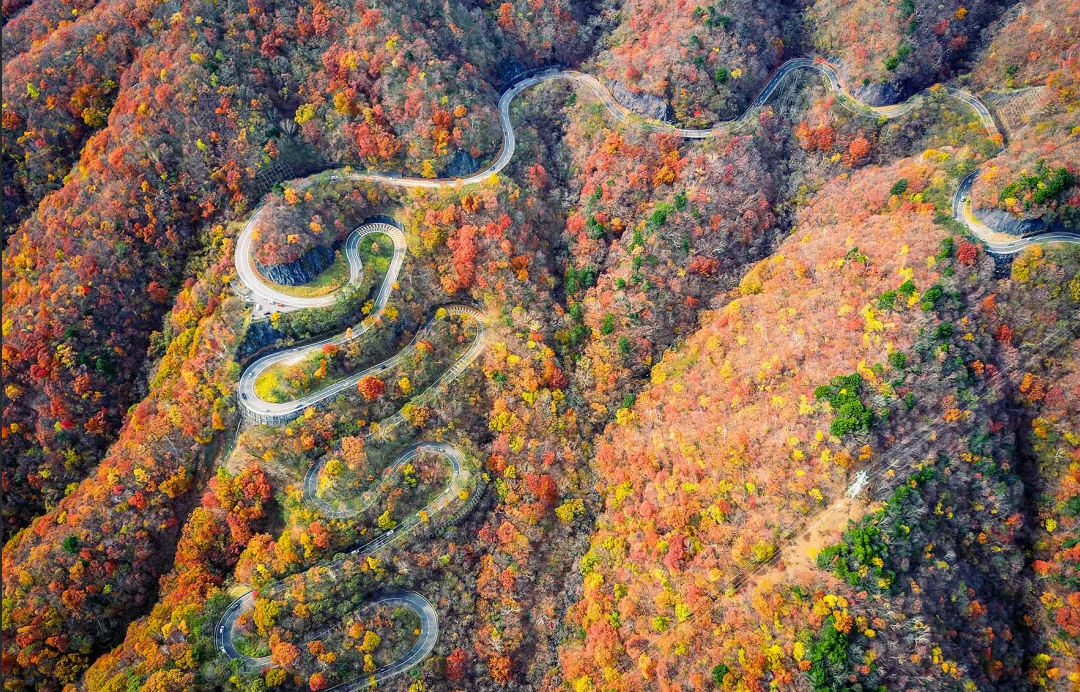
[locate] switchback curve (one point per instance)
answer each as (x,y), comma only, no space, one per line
(257,409)
(270,412)
(621,113)
(421,607)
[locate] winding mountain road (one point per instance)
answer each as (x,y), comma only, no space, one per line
(276,413)
(263,411)
(259,410)
(421,648)
(421,607)
(623,114)
(998,243)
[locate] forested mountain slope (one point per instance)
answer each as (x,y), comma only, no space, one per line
(628,407)
(888,50)
(211,96)
(695,63)
(1034,180)
(870,341)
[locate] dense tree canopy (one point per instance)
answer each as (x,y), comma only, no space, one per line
(694,349)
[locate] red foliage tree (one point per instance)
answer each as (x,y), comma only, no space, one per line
(463,245)
(858,150)
(967,253)
(455,664)
(543,487)
(371,387)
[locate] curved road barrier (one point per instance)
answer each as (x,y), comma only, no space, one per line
(268,412)
(998,243)
(421,648)
(421,607)
(262,411)
(259,410)
(621,113)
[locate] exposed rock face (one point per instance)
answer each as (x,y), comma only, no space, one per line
(461,165)
(1001,220)
(879,94)
(260,334)
(509,68)
(644,104)
(314,262)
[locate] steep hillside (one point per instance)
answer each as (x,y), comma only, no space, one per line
(404,88)
(661,225)
(88,276)
(77,574)
(694,64)
(841,354)
(491,225)
(59,93)
(889,50)
(1029,43)
(1035,183)
(642,409)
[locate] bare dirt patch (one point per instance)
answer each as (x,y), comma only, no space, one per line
(800,554)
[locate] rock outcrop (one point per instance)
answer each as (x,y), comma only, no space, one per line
(509,68)
(304,270)
(1003,221)
(260,334)
(463,164)
(644,104)
(879,93)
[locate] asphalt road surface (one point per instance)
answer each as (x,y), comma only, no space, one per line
(268,300)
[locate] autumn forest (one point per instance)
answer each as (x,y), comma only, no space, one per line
(542,345)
